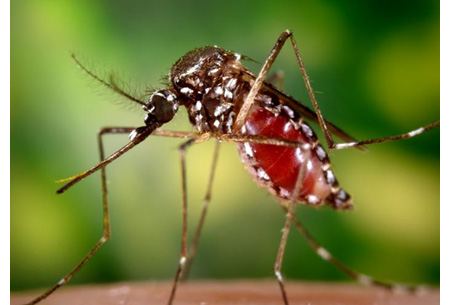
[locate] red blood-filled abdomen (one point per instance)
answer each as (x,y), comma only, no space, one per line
(277,167)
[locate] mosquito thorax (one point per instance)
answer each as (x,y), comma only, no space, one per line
(208,82)
(161,108)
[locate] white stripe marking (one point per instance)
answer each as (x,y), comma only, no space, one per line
(279,276)
(323,253)
(398,288)
(365,280)
(345,145)
(416,132)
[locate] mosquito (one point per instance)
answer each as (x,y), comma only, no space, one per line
(228,103)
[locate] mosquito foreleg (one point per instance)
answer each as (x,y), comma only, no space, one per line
(106,224)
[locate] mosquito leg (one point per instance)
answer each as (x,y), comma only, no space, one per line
(106,225)
(407,135)
(67,278)
(262,140)
(243,112)
(240,119)
(139,135)
(206,201)
(323,125)
(327,256)
(183,252)
(320,250)
(289,215)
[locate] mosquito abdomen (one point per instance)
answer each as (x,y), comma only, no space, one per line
(277,167)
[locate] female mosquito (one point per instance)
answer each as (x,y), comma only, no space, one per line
(225,101)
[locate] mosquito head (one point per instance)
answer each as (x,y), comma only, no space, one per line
(161,108)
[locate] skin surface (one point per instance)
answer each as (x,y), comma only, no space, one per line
(230,292)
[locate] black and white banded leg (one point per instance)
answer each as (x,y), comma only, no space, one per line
(323,124)
(360,277)
(106,224)
(240,119)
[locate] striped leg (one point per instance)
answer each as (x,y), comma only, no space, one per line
(407,135)
(321,251)
(326,127)
(323,124)
(207,198)
(139,134)
(183,252)
(106,225)
(327,256)
(259,81)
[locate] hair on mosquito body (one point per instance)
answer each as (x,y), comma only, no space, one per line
(120,86)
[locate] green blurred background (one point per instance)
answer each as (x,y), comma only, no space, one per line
(376,64)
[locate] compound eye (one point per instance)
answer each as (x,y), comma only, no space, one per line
(161,107)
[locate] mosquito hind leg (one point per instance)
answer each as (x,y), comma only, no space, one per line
(402,136)
(106,224)
(241,116)
(327,256)
(323,125)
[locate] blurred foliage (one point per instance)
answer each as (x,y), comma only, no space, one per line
(376,64)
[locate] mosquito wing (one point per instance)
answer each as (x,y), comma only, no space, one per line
(305,111)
